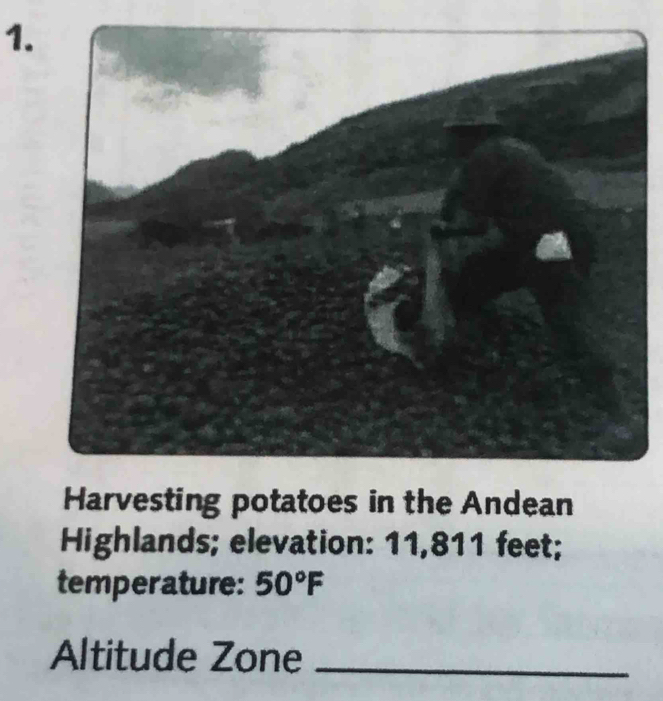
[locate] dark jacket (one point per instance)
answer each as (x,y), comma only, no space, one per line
(508,182)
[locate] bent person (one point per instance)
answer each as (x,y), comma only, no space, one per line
(537,237)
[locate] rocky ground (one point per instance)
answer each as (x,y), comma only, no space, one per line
(263,350)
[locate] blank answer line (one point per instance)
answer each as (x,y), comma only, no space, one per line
(470,672)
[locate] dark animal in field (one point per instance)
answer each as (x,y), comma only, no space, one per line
(166,233)
(274,230)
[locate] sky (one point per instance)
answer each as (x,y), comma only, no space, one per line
(164,97)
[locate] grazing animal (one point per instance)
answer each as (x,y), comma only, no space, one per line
(166,233)
(276,229)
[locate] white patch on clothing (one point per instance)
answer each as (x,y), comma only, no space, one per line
(553,246)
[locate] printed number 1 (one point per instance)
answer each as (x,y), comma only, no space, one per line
(15,31)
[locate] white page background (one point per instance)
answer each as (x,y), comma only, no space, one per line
(598,609)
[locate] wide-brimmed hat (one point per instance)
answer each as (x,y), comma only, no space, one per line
(474,110)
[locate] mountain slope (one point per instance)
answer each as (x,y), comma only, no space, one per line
(123,191)
(594,108)
(96,192)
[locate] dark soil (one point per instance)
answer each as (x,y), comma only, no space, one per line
(264,350)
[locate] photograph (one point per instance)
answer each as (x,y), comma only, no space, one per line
(363,244)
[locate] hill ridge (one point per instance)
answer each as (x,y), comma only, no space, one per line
(399,147)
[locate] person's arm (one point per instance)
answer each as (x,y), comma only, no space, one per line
(456,218)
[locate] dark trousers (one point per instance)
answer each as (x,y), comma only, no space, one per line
(561,291)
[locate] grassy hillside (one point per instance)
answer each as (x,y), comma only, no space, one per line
(124,191)
(593,108)
(96,192)
(197,191)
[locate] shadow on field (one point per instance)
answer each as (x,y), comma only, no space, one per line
(263,350)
